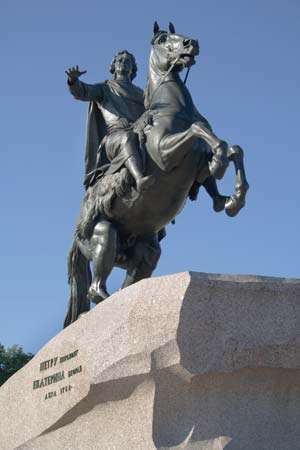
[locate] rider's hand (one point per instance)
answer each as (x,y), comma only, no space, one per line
(74,73)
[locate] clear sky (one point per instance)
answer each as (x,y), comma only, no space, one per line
(246,82)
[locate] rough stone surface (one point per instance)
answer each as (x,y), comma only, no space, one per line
(187,361)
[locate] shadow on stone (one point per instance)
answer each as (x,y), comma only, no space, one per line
(110,391)
(240,408)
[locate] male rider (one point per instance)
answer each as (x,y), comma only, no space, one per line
(115,105)
(119,103)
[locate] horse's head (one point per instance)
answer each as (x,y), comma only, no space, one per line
(172,51)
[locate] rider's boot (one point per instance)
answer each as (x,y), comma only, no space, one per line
(134,167)
(144,183)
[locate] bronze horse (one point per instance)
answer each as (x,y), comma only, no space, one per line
(119,226)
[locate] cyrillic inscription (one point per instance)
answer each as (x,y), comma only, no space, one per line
(48,364)
(67,357)
(74,371)
(58,376)
(37,384)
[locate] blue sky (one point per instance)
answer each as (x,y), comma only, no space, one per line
(246,82)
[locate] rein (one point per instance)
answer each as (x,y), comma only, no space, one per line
(163,80)
(165,76)
(186,75)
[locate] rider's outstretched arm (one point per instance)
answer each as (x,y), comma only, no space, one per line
(86,92)
(80,90)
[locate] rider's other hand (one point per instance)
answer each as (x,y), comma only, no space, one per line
(74,73)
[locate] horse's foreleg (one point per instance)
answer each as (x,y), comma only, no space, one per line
(219,201)
(144,260)
(103,244)
(219,161)
(174,147)
(238,199)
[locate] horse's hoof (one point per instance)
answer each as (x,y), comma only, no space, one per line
(219,203)
(233,151)
(98,295)
(233,205)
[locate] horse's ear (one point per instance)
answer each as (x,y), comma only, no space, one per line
(171,28)
(155,28)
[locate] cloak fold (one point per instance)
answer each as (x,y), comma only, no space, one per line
(95,132)
(128,103)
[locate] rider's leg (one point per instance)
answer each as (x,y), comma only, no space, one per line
(145,258)
(103,245)
(211,188)
(134,163)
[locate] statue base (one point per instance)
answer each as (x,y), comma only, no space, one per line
(191,360)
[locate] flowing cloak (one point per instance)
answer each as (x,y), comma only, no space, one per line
(125,102)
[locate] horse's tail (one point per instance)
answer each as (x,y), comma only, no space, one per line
(79,279)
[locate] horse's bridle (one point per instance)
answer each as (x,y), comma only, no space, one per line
(163,79)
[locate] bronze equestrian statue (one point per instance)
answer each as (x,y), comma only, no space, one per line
(172,146)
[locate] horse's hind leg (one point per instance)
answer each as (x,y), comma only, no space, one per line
(103,246)
(145,257)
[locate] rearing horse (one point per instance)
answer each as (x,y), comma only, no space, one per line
(119,226)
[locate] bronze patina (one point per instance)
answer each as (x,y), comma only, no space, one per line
(145,155)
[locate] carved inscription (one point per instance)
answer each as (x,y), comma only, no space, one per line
(60,375)
(49,380)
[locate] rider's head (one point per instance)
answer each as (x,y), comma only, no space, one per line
(124,63)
